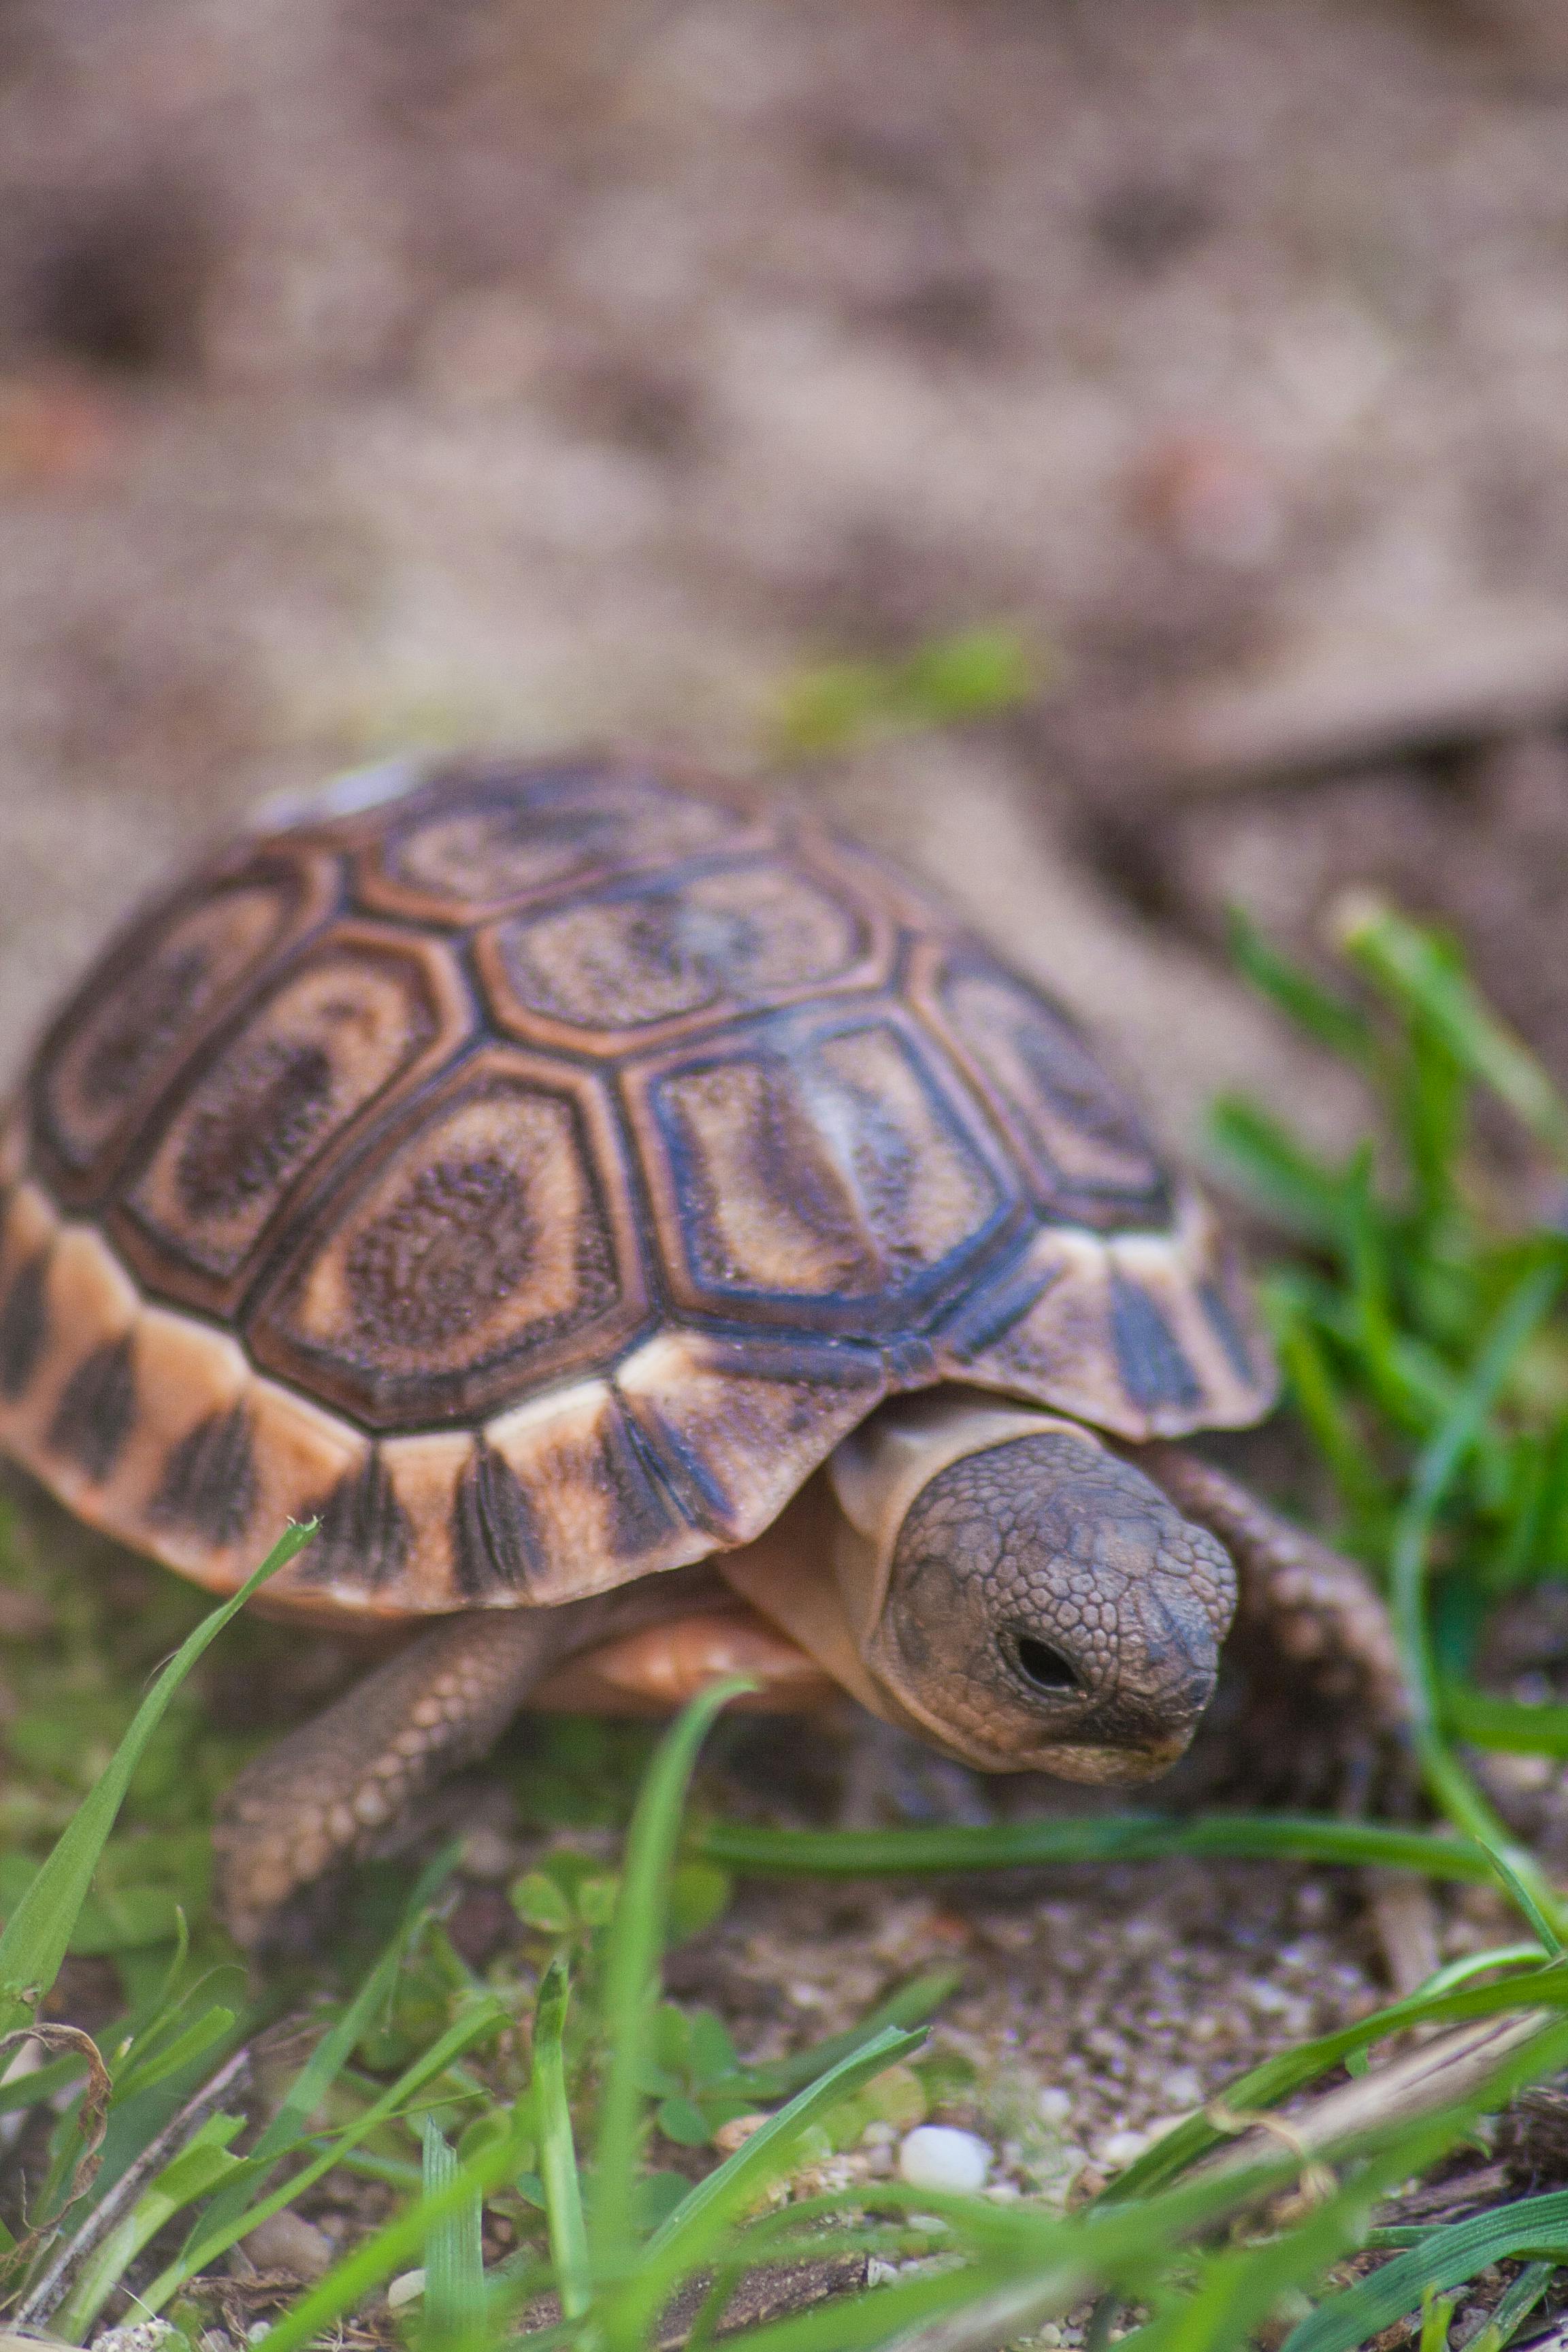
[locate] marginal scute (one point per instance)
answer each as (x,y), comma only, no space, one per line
(837,1174)
(208,1487)
(594,1493)
(362,1546)
(707,945)
(735,1436)
(481,1240)
(1088,1150)
(93,1418)
(1117,1333)
(90,1306)
(166,1487)
(334,1036)
(425,1474)
(481,848)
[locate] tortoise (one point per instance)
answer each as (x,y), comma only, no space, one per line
(651,1236)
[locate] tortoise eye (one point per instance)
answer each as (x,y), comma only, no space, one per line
(1040,1664)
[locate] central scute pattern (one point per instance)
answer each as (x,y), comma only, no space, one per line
(534,1175)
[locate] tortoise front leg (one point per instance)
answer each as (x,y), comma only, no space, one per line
(323,1794)
(1302,1601)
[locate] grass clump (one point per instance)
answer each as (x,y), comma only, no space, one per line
(1426,1355)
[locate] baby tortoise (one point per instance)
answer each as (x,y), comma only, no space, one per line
(653,1238)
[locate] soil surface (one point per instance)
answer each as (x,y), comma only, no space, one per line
(460,371)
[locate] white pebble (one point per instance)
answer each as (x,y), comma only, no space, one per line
(1184,2087)
(1055,2107)
(934,2156)
(1122,2148)
(406,2288)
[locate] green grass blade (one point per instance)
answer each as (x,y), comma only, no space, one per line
(1420,975)
(1502,1723)
(1277,2078)
(214,2240)
(1321,1012)
(910,2006)
(203,2162)
(395,2247)
(635,1949)
(1533,2225)
(454,2250)
(687,2240)
(1125,1837)
(39,1931)
(1516,1868)
(1514,2308)
(557,2150)
(333,2050)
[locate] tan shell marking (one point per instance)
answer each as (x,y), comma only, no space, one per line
(425,1473)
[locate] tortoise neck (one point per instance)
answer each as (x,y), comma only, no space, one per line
(876,1472)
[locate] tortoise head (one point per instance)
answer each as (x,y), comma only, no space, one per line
(1022,1595)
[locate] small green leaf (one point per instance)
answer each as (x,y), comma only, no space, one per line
(679,2120)
(539,1903)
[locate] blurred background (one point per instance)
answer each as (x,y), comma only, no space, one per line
(1111,450)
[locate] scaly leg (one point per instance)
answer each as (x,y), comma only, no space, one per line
(1300,1600)
(323,1794)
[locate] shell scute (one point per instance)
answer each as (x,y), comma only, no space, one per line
(818,1178)
(362,1016)
(486,1242)
(1090,1155)
(124,1037)
(490,842)
(683,952)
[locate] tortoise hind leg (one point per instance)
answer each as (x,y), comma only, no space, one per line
(319,1795)
(1300,1601)
(323,1794)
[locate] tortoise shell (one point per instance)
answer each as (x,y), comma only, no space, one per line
(533,1172)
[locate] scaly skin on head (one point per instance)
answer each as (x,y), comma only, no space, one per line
(1048,1609)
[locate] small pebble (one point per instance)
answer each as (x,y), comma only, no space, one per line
(287,2242)
(933,2155)
(1184,2087)
(1056,2105)
(1121,2147)
(407,2287)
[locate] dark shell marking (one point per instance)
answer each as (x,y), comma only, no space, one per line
(546,1168)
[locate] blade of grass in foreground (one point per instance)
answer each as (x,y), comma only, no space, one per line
(486,2016)
(557,2151)
(1122,1837)
(454,2250)
(326,2061)
(34,1943)
(1533,2225)
(635,1949)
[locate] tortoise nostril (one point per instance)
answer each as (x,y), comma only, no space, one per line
(1045,1667)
